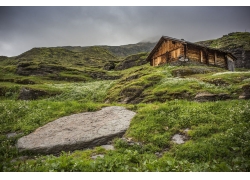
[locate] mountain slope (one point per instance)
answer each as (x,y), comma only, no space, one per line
(44,84)
(216,133)
(118,51)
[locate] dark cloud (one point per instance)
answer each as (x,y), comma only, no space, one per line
(23,28)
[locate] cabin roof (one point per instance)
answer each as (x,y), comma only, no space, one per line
(185,42)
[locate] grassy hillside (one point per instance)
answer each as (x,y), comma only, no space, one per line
(217,140)
(71,64)
(210,106)
(119,51)
(230,41)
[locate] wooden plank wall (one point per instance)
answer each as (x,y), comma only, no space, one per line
(203,56)
(220,60)
(162,56)
(170,51)
(211,57)
(193,53)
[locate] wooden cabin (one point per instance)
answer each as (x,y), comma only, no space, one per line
(169,50)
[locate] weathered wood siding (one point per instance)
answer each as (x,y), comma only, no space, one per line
(203,56)
(211,57)
(170,50)
(167,52)
(220,59)
(193,53)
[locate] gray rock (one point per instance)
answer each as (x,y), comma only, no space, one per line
(98,155)
(109,66)
(178,139)
(21,158)
(131,61)
(31,94)
(203,97)
(10,135)
(108,147)
(246,92)
(78,131)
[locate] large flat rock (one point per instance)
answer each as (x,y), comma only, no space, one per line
(78,131)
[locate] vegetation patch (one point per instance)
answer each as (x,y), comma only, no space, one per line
(74,81)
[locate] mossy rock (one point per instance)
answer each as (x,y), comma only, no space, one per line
(187,71)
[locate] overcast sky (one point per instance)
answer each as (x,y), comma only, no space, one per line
(23,28)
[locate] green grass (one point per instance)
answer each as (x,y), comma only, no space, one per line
(218,136)
(215,143)
(158,84)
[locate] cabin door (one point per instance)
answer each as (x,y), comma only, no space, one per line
(230,64)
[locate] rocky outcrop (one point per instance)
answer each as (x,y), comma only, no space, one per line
(78,131)
(246,92)
(187,71)
(131,61)
(31,94)
(30,68)
(102,76)
(243,57)
(109,66)
(203,97)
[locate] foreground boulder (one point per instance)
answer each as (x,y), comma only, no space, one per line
(78,131)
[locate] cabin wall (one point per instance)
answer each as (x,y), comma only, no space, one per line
(202,56)
(176,49)
(211,58)
(220,59)
(193,53)
(168,51)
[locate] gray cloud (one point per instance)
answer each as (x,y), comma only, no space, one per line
(23,28)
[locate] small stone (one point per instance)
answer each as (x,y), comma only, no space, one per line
(129,139)
(98,155)
(158,154)
(178,139)
(21,158)
(166,149)
(108,147)
(10,135)
(166,128)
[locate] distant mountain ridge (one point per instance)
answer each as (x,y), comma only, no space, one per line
(100,56)
(118,51)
